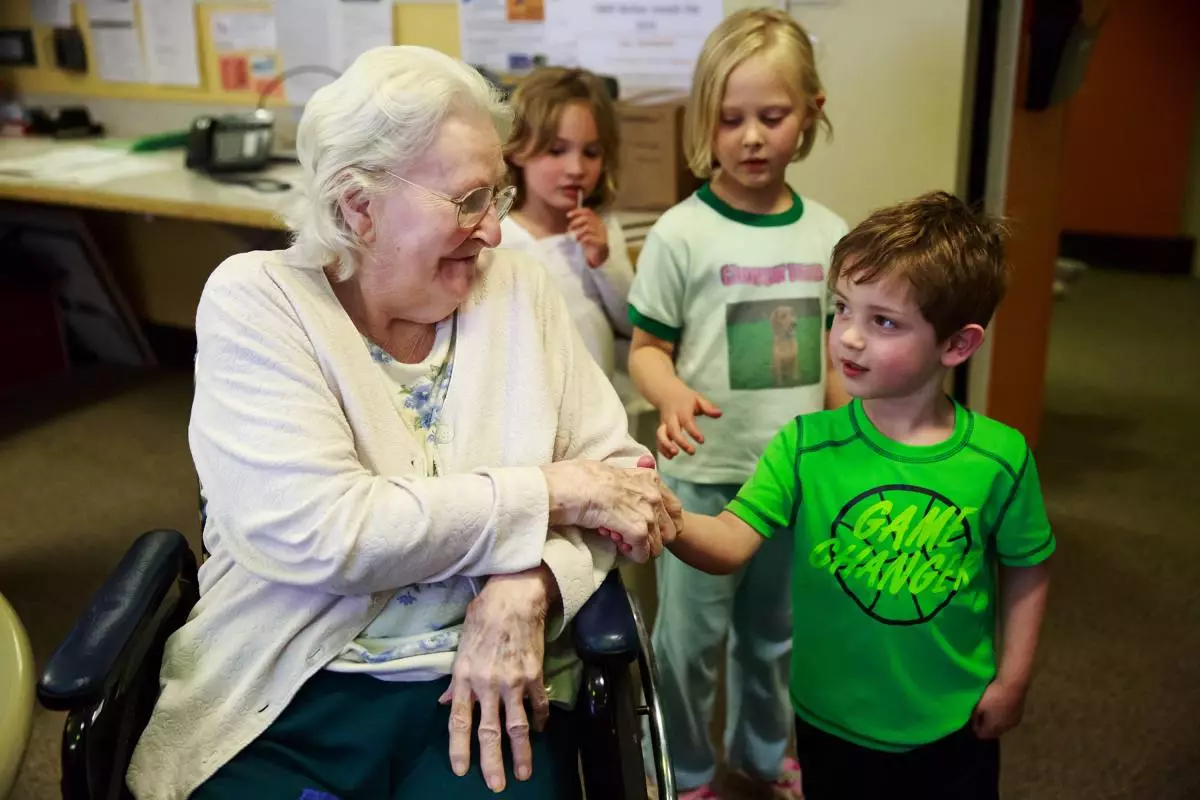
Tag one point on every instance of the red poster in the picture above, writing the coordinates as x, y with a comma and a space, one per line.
235, 73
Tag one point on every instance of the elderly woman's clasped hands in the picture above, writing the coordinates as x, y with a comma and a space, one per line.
631, 506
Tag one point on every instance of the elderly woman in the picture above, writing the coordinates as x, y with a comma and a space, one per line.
406, 453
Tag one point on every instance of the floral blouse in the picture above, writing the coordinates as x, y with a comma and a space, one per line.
427, 617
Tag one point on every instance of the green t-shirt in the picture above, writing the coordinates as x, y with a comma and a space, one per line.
894, 588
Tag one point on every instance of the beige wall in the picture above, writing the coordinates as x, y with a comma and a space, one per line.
894, 74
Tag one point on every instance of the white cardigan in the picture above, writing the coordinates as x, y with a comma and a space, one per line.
315, 511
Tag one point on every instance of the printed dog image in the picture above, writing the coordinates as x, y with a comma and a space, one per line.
774, 343
785, 353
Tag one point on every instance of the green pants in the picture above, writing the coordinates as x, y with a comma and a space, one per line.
347, 736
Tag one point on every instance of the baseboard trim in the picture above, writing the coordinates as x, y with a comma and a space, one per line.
1167, 255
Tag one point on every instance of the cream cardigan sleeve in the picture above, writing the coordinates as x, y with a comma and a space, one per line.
276, 456
592, 425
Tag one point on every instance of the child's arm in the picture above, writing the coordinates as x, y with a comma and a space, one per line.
652, 367
1023, 593
716, 545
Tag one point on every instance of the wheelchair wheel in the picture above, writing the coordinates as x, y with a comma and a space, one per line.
652, 709
610, 735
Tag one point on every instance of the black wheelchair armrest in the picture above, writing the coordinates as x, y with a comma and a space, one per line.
604, 630
92, 655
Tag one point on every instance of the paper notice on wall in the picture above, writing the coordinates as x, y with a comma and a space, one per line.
645, 44
303, 28
56, 13
504, 35
169, 38
110, 11
327, 35
561, 39
361, 25
243, 31
118, 52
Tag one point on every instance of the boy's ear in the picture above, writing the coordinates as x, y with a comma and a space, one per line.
962, 344
356, 210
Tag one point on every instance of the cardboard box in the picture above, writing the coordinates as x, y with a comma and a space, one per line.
654, 174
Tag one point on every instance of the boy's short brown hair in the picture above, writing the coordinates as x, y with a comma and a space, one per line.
538, 105
952, 256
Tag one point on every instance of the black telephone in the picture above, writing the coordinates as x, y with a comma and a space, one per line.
231, 143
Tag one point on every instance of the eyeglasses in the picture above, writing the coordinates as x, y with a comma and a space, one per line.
472, 206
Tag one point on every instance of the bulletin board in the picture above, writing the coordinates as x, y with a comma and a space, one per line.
431, 25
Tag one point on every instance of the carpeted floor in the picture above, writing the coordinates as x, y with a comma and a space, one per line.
88, 464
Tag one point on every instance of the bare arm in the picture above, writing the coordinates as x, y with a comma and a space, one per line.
1023, 592
652, 367
716, 545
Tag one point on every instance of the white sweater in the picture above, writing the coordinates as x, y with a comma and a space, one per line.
598, 299
316, 513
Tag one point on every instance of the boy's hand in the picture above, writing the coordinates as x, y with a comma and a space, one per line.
588, 229
677, 416
999, 710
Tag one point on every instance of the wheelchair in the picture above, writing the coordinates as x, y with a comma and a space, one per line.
105, 675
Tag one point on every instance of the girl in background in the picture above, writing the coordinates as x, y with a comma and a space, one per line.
562, 157
729, 307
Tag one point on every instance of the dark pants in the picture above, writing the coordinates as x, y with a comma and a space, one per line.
346, 737
958, 767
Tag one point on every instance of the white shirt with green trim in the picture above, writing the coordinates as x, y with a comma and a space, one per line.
743, 297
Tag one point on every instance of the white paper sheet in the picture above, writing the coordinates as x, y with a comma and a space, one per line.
303, 28
169, 36
489, 39
241, 31
118, 52
361, 25
52, 12
561, 39
85, 164
110, 10
645, 44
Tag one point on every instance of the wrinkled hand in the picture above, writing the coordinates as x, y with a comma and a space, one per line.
588, 229
998, 711
622, 503
499, 660
677, 416
668, 516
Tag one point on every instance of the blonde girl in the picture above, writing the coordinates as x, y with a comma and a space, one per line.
728, 310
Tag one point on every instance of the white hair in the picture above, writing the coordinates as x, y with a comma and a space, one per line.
383, 113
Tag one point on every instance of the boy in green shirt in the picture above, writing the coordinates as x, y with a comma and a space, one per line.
919, 525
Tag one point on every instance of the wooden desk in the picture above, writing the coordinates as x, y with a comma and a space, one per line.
180, 193
163, 232
174, 192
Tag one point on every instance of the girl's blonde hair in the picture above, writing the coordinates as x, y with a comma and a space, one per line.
784, 43
538, 105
